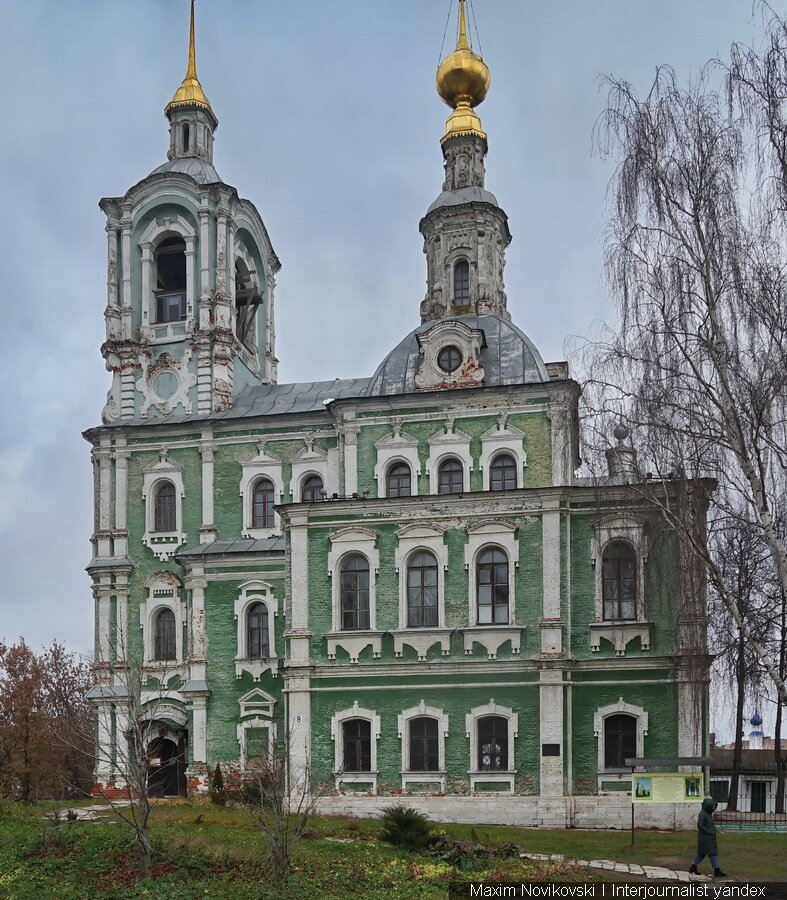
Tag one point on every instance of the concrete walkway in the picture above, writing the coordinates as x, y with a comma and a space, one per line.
655, 872
88, 813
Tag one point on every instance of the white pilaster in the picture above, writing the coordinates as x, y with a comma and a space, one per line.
551, 630
551, 731
350, 431
207, 448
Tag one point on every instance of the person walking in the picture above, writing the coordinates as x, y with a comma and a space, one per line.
707, 844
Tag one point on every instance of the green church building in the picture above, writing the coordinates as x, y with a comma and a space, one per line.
400, 575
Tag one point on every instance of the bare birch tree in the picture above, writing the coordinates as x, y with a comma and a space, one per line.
696, 264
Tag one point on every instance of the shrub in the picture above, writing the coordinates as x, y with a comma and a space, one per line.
405, 827
468, 856
218, 794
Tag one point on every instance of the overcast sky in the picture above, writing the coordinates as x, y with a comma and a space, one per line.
330, 124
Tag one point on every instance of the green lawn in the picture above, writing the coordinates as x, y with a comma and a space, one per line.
207, 851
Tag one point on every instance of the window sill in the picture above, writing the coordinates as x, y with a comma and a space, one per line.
422, 640
354, 643
492, 777
492, 638
619, 634
350, 778
436, 778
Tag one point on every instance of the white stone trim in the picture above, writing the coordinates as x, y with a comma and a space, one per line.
256, 702
163, 592
503, 438
396, 447
412, 538
249, 593
449, 443
403, 728
500, 533
242, 734
344, 542
613, 709
158, 229
311, 461
261, 465
354, 643
630, 529
337, 720
471, 731
446, 333
162, 544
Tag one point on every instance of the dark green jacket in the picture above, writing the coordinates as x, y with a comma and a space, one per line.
706, 829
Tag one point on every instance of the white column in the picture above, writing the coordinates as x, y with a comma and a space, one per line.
551, 624
350, 431
199, 729
122, 457
103, 592
299, 732
561, 443
207, 532
103, 773
197, 583
103, 457
191, 297
147, 284
551, 731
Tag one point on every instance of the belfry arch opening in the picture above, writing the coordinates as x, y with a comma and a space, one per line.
247, 301
171, 280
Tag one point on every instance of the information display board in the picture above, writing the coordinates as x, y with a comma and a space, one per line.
671, 787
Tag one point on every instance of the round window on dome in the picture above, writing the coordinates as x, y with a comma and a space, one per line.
449, 359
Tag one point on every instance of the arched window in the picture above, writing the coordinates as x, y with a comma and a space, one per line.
262, 498
257, 641
450, 477
492, 587
462, 283
247, 300
164, 647
619, 581
422, 590
186, 139
620, 740
492, 744
502, 473
355, 593
357, 743
171, 280
164, 508
398, 480
424, 745
310, 489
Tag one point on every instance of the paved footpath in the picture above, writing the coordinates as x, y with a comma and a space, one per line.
655, 872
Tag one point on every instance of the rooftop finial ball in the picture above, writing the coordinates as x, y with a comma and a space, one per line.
621, 432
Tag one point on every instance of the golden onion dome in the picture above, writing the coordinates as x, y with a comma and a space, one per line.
190, 92
463, 81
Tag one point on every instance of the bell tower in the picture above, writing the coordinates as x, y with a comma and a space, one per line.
465, 231
190, 279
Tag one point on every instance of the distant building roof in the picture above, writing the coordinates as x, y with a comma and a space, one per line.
752, 761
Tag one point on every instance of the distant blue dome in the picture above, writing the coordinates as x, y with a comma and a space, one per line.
756, 720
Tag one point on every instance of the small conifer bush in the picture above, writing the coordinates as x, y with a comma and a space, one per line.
218, 794
405, 827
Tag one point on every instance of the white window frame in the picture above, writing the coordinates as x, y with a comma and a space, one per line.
346, 542
249, 593
257, 702
242, 734
445, 444
337, 736
312, 461
157, 231
163, 544
396, 447
614, 709
261, 465
403, 727
477, 775
503, 439
164, 592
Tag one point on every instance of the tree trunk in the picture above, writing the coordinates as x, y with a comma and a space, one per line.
732, 800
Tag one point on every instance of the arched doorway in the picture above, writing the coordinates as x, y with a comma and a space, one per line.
167, 765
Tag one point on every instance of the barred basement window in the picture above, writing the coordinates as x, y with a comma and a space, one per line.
620, 740
355, 593
357, 744
619, 581
422, 590
262, 504
257, 641
493, 744
462, 283
502, 473
164, 512
310, 492
164, 643
450, 477
424, 745
492, 587
398, 480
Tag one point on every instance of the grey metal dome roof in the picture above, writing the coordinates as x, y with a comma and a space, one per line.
509, 357
460, 196
200, 169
